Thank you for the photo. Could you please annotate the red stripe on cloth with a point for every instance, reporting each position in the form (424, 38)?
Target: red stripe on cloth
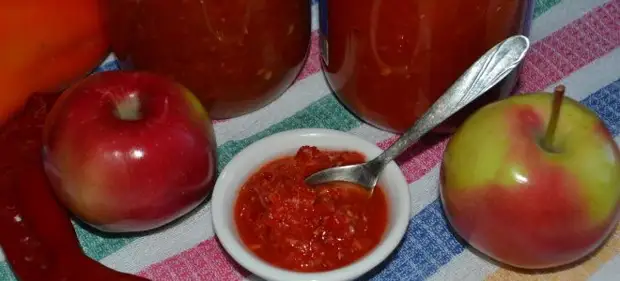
(572, 47)
(207, 261)
(549, 60)
(313, 63)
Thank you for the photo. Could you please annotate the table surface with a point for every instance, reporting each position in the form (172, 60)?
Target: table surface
(575, 42)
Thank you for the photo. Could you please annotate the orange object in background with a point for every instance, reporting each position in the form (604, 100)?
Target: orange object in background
(44, 46)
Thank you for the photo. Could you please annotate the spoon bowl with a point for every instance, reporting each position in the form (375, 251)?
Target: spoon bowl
(485, 73)
(360, 174)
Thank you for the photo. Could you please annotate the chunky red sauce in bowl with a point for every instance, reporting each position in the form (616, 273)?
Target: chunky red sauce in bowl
(278, 228)
(302, 228)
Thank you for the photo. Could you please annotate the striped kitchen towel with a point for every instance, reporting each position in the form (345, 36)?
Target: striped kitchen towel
(574, 42)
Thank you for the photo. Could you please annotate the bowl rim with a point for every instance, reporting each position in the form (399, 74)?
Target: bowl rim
(257, 266)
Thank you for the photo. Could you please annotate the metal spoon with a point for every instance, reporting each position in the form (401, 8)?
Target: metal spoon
(487, 71)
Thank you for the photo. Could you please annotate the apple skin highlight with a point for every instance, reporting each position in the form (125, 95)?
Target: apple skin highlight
(129, 175)
(521, 204)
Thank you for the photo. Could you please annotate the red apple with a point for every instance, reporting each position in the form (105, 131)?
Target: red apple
(129, 151)
(532, 181)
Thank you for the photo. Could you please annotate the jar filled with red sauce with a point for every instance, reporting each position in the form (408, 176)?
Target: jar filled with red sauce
(236, 56)
(309, 229)
(389, 60)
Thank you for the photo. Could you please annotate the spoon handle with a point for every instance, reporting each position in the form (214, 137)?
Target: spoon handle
(487, 71)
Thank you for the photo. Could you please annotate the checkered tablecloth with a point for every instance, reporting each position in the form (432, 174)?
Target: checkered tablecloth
(575, 42)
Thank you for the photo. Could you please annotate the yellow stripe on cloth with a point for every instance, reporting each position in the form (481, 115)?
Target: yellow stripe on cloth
(580, 272)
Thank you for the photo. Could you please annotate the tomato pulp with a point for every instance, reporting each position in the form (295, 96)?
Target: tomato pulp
(389, 60)
(235, 55)
(294, 226)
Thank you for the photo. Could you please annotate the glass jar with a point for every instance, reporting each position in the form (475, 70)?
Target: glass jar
(236, 56)
(389, 60)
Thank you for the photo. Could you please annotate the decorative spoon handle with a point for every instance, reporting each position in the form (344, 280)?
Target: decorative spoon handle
(491, 68)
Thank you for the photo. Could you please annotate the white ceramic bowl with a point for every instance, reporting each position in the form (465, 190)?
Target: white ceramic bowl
(248, 161)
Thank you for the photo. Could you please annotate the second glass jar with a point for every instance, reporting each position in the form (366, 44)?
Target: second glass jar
(236, 56)
(389, 60)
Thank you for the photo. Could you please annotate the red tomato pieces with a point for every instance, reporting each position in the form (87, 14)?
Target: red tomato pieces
(294, 226)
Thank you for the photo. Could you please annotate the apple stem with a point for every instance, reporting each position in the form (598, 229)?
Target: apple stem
(129, 109)
(558, 96)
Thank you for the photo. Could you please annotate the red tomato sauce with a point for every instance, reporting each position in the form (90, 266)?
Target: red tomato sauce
(294, 226)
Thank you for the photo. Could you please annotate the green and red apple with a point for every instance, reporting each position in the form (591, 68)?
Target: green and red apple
(129, 151)
(528, 197)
